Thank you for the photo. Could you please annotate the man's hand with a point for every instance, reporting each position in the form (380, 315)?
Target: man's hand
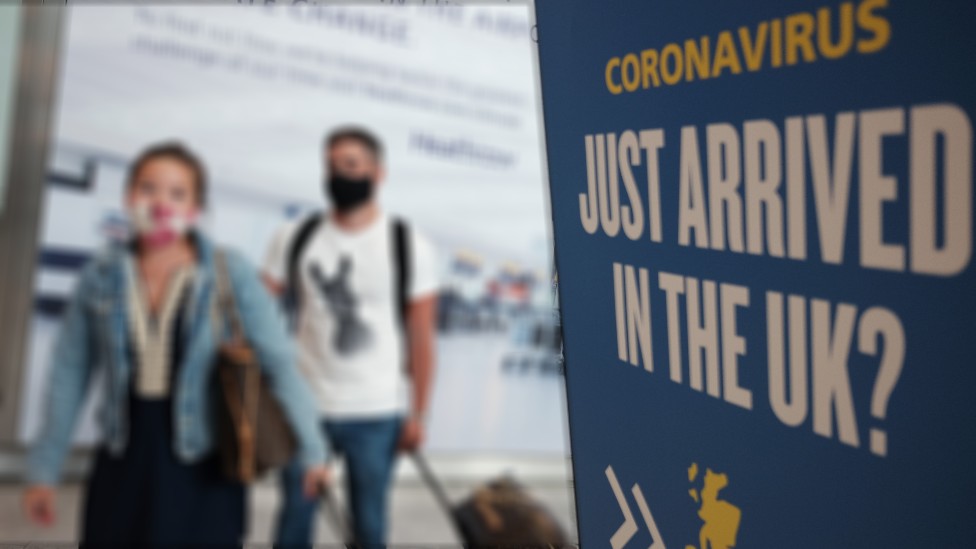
(317, 479)
(411, 435)
(38, 504)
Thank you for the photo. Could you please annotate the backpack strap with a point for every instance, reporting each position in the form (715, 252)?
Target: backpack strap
(295, 249)
(403, 271)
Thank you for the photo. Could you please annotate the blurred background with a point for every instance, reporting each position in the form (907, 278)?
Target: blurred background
(452, 91)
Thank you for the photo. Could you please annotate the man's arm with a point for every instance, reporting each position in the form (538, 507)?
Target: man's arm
(421, 335)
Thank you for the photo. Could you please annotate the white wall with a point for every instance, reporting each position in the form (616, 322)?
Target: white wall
(9, 39)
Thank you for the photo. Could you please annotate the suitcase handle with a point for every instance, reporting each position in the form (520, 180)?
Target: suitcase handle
(342, 524)
(333, 511)
(433, 483)
(336, 517)
(440, 494)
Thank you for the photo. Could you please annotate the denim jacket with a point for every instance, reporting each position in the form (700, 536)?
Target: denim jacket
(94, 337)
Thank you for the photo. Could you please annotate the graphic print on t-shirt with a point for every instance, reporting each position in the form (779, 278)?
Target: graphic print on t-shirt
(351, 334)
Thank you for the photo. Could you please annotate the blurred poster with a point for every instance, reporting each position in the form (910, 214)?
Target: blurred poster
(450, 90)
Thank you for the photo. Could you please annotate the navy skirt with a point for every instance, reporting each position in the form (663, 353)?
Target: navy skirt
(148, 498)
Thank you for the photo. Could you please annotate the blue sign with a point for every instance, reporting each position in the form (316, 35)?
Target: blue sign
(763, 217)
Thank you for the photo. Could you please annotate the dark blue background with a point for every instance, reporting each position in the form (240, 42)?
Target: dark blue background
(795, 488)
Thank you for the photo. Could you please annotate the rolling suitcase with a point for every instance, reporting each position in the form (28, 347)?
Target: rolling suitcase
(498, 515)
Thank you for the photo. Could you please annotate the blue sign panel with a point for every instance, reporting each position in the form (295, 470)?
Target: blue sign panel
(763, 218)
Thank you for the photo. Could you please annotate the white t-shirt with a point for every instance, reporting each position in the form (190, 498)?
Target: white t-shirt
(350, 342)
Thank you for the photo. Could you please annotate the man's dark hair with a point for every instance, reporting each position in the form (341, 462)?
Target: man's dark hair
(176, 151)
(358, 134)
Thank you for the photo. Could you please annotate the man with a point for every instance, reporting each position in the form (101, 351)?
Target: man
(361, 287)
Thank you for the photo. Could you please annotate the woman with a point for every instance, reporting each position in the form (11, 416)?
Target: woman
(144, 313)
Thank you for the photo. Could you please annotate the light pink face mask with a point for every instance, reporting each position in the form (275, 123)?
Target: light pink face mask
(158, 225)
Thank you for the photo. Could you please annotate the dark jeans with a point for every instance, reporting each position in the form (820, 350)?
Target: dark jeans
(369, 448)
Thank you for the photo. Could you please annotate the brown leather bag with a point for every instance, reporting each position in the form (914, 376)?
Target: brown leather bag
(253, 434)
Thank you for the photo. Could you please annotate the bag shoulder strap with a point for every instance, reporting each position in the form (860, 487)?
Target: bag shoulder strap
(295, 249)
(225, 295)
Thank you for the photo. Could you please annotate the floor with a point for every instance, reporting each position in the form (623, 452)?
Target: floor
(416, 519)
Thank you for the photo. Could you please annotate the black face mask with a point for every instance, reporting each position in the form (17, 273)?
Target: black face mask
(348, 194)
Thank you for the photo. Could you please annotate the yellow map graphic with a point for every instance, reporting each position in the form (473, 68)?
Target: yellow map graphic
(721, 517)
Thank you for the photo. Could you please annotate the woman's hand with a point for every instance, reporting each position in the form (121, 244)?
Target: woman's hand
(38, 503)
(317, 479)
